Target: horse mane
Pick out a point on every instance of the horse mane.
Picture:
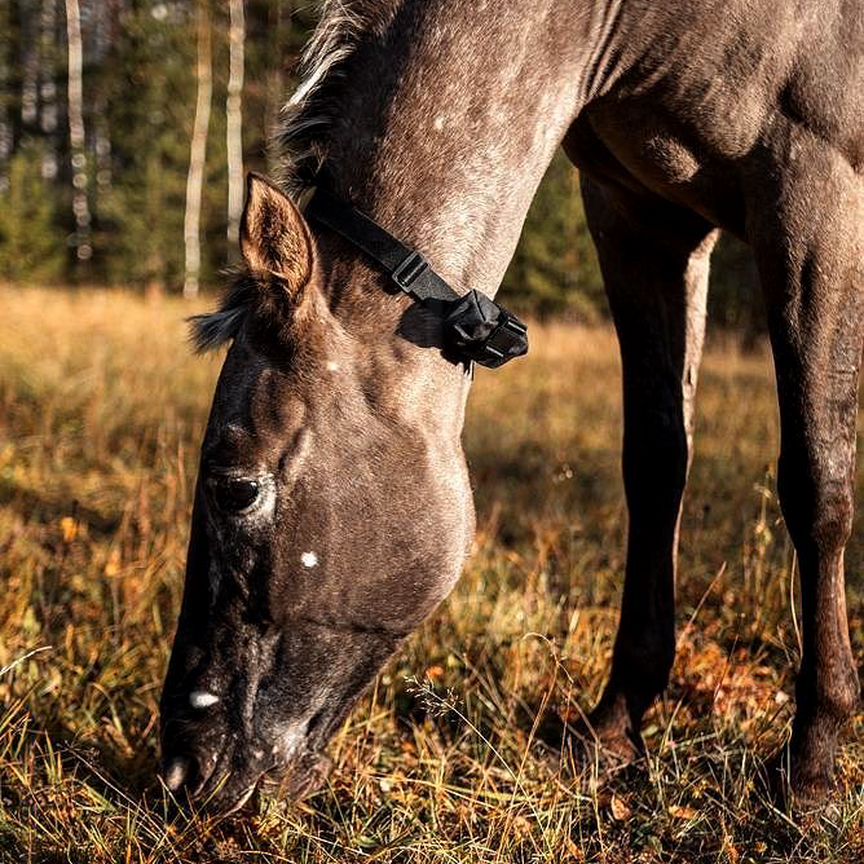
(309, 115)
(300, 143)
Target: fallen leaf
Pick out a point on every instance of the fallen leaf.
(69, 527)
(619, 808)
(574, 854)
(112, 568)
(677, 811)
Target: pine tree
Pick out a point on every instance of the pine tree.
(32, 242)
(99, 160)
(555, 268)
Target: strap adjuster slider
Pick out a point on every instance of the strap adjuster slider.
(409, 271)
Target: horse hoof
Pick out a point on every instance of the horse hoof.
(798, 791)
(590, 753)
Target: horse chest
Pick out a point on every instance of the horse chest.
(645, 147)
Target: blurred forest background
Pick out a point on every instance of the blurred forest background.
(126, 127)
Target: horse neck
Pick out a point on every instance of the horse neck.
(448, 119)
(442, 124)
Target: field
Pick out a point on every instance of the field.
(101, 410)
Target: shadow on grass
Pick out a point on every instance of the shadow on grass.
(42, 507)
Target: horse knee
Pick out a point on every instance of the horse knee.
(842, 697)
(817, 507)
(656, 455)
(832, 697)
(644, 660)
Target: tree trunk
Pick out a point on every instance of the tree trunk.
(198, 155)
(29, 46)
(234, 122)
(7, 128)
(80, 204)
(105, 14)
(48, 112)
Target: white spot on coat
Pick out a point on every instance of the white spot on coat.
(309, 560)
(202, 699)
(332, 366)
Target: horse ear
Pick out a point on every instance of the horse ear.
(274, 237)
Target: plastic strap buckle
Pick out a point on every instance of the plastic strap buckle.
(409, 271)
(481, 330)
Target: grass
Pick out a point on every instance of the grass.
(101, 411)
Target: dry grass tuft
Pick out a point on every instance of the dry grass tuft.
(101, 410)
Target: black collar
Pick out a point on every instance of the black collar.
(475, 327)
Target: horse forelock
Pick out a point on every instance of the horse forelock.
(214, 329)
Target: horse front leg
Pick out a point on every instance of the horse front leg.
(655, 261)
(809, 242)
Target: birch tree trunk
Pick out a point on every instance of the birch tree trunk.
(29, 68)
(48, 113)
(234, 121)
(105, 13)
(7, 135)
(198, 154)
(80, 204)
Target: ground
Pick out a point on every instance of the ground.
(102, 407)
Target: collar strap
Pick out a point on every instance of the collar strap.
(475, 327)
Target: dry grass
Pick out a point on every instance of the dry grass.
(101, 410)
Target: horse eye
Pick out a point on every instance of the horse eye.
(234, 494)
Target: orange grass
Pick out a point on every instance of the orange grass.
(101, 411)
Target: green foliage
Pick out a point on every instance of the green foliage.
(555, 268)
(139, 104)
(32, 247)
(735, 299)
(141, 213)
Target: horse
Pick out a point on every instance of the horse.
(333, 510)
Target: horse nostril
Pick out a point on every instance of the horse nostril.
(185, 773)
(178, 771)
